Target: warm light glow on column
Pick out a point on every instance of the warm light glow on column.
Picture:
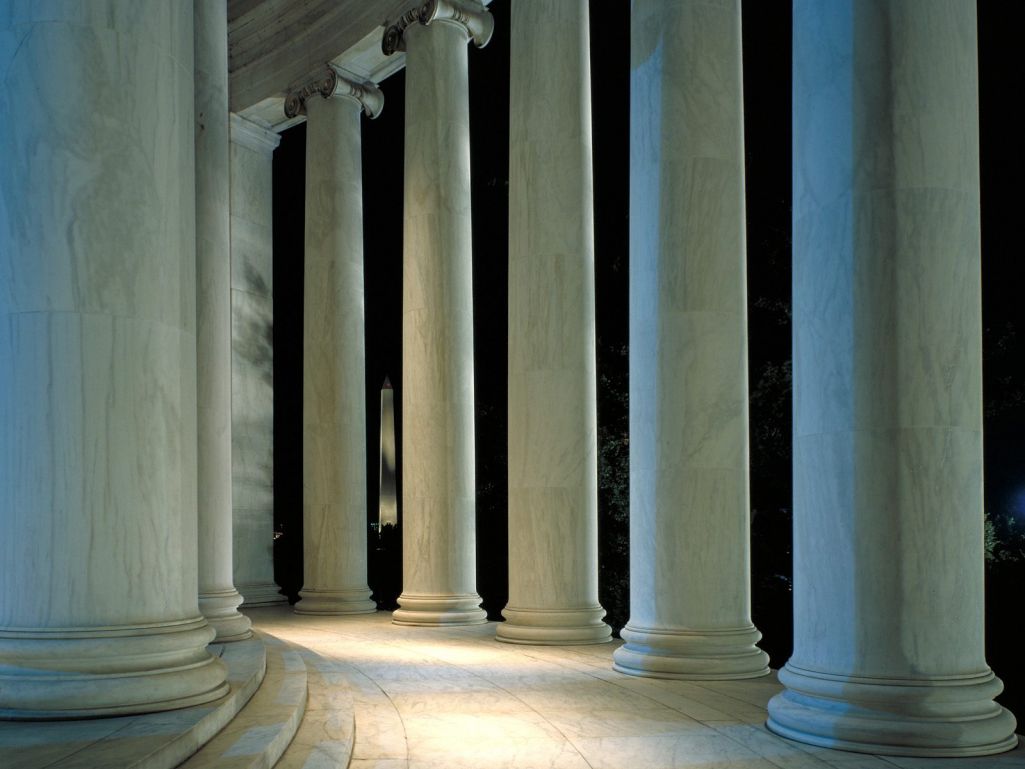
(334, 364)
(553, 450)
(439, 563)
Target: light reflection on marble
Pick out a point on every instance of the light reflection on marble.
(553, 484)
(535, 706)
(438, 489)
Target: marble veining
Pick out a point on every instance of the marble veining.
(334, 402)
(252, 361)
(689, 533)
(439, 499)
(553, 493)
(888, 555)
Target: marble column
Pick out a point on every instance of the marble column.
(438, 479)
(334, 366)
(252, 361)
(888, 552)
(218, 598)
(690, 575)
(553, 451)
(98, 612)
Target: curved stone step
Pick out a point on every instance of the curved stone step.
(263, 729)
(150, 741)
(325, 738)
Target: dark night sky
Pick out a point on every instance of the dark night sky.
(767, 137)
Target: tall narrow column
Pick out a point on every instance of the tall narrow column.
(690, 577)
(888, 553)
(334, 387)
(252, 361)
(218, 598)
(98, 611)
(438, 479)
(553, 451)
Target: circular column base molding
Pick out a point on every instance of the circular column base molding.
(355, 601)
(712, 655)
(953, 716)
(221, 612)
(433, 610)
(554, 627)
(85, 672)
(264, 594)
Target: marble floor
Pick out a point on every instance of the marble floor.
(427, 698)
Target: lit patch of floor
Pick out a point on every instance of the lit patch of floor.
(454, 698)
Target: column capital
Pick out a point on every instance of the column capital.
(335, 84)
(476, 19)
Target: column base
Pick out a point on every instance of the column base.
(85, 672)
(315, 601)
(554, 627)
(953, 716)
(696, 655)
(262, 594)
(221, 612)
(433, 610)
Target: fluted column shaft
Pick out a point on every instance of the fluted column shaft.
(218, 598)
(334, 390)
(252, 360)
(98, 612)
(888, 553)
(553, 482)
(690, 594)
(438, 479)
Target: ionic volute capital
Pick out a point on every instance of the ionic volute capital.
(334, 84)
(477, 20)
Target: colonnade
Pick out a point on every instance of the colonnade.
(128, 263)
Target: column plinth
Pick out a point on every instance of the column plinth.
(334, 390)
(954, 716)
(117, 670)
(438, 475)
(889, 648)
(553, 449)
(705, 654)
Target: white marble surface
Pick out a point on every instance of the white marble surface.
(98, 386)
(252, 362)
(690, 614)
(453, 697)
(334, 365)
(438, 478)
(150, 740)
(553, 486)
(218, 598)
(888, 557)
